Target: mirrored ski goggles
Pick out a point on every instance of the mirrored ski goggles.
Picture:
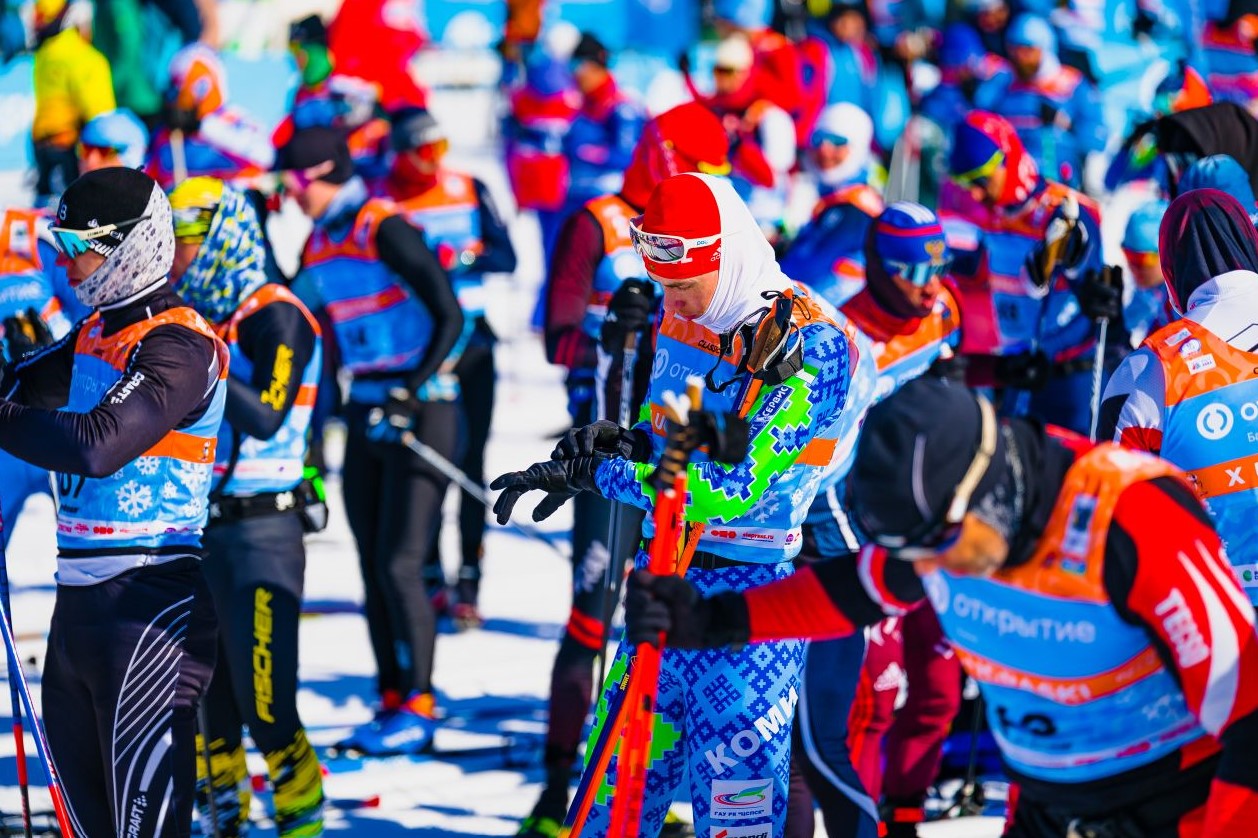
(820, 138)
(662, 248)
(919, 274)
(76, 242)
(1142, 258)
(936, 537)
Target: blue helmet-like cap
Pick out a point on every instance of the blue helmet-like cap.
(1221, 172)
(961, 45)
(120, 130)
(910, 234)
(1032, 31)
(1141, 235)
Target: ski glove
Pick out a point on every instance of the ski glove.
(25, 332)
(629, 311)
(1100, 294)
(606, 438)
(1074, 252)
(671, 606)
(559, 479)
(1026, 371)
(394, 418)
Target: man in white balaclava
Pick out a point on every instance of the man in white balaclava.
(126, 410)
(721, 288)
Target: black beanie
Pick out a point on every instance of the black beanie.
(308, 30)
(590, 48)
(105, 196)
(412, 128)
(311, 146)
(914, 448)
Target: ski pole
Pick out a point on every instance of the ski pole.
(1098, 366)
(17, 676)
(614, 574)
(19, 739)
(203, 722)
(454, 473)
(178, 155)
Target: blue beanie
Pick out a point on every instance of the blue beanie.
(972, 148)
(911, 234)
(1221, 172)
(1032, 31)
(961, 46)
(746, 14)
(1141, 235)
(548, 76)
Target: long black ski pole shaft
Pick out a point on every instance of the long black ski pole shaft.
(15, 700)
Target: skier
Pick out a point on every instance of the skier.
(396, 319)
(1148, 309)
(778, 75)
(1221, 172)
(204, 135)
(255, 561)
(1181, 394)
(125, 410)
(1227, 51)
(596, 272)
(828, 252)
(721, 284)
(1025, 332)
(116, 138)
(1101, 574)
(909, 325)
(462, 226)
(72, 85)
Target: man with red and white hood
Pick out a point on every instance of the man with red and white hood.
(598, 293)
(724, 716)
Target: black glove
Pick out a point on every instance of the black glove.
(1073, 253)
(1100, 293)
(560, 479)
(393, 419)
(606, 438)
(25, 332)
(1028, 371)
(629, 311)
(671, 606)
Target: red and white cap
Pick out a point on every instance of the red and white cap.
(684, 207)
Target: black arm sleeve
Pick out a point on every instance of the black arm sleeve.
(168, 384)
(279, 341)
(402, 248)
(43, 379)
(499, 254)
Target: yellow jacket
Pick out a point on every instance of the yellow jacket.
(73, 84)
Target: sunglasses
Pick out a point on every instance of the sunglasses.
(919, 274)
(936, 537)
(299, 180)
(103, 150)
(1141, 258)
(662, 248)
(979, 176)
(74, 243)
(430, 152)
(820, 138)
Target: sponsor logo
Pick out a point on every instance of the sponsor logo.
(722, 533)
(1191, 347)
(1205, 362)
(710, 346)
(127, 389)
(762, 830)
(937, 592)
(1178, 338)
(1007, 622)
(746, 742)
(263, 687)
(281, 374)
(1215, 420)
(1181, 628)
(1079, 529)
(742, 798)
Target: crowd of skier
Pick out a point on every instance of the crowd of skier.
(942, 435)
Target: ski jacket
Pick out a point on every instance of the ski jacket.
(1002, 316)
(26, 271)
(392, 307)
(1230, 60)
(1189, 395)
(126, 410)
(276, 354)
(322, 104)
(537, 167)
(1118, 657)
(599, 144)
(228, 145)
(72, 86)
(828, 253)
(836, 71)
(754, 509)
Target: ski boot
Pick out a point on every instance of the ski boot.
(467, 590)
(546, 819)
(408, 730)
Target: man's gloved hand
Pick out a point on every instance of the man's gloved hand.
(1026, 371)
(629, 311)
(1074, 251)
(25, 332)
(606, 438)
(560, 479)
(671, 606)
(394, 418)
(1100, 294)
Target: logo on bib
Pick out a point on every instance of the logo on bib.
(1215, 421)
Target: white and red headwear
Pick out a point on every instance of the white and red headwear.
(698, 206)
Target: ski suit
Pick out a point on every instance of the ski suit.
(1186, 395)
(828, 253)
(125, 410)
(1230, 61)
(1111, 709)
(723, 716)
(461, 225)
(599, 144)
(331, 102)
(836, 71)
(396, 319)
(27, 271)
(255, 565)
(228, 145)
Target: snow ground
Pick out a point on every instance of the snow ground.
(493, 681)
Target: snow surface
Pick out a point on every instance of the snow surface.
(492, 681)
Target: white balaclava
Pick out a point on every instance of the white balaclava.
(854, 125)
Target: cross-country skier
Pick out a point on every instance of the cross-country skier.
(595, 272)
(255, 561)
(396, 319)
(1081, 585)
(117, 138)
(125, 410)
(462, 226)
(721, 285)
(1184, 394)
(1147, 310)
